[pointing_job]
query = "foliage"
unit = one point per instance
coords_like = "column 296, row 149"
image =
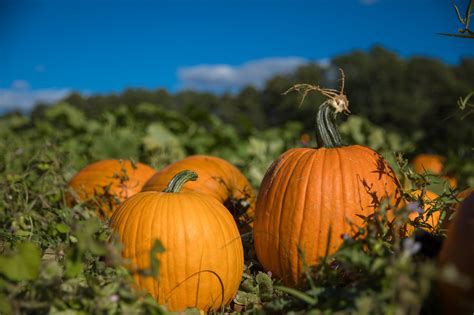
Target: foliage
column 59, row 260
column 403, row 95
column 55, row 259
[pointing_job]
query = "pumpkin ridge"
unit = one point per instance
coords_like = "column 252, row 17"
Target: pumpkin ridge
column 370, row 205
column 321, row 202
column 155, row 214
column 222, row 217
column 302, row 222
column 221, row 180
column 183, row 273
column 290, row 219
column 358, row 170
column 202, row 257
column 150, row 226
column 340, row 183
column 373, row 186
column 132, row 250
column 138, row 225
column 230, row 241
column 272, row 203
column 179, row 229
column 274, row 222
column 129, row 218
column 212, row 233
column 186, row 275
column 231, row 191
column 275, row 167
column 279, row 224
column 263, row 197
column 345, row 200
column 357, row 182
column 168, row 242
column 207, row 183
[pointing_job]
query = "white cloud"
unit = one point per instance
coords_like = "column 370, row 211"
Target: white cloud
column 20, row 96
column 227, row 77
column 324, row 63
column 20, row 85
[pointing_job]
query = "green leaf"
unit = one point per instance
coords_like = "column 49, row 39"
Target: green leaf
column 62, row 228
column 22, row 265
column 245, row 298
column 5, row 307
column 163, row 143
column 116, row 143
column 154, row 262
column 248, row 285
column 73, row 268
column 265, row 286
column 51, row 270
column 65, row 113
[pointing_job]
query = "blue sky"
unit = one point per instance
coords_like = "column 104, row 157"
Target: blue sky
column 48, row 48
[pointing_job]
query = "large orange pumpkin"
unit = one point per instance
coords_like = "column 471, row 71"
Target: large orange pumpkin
column 108, row 182
column 202, row 264
column 458, row 251
column 434, row 164
column 217, row 178
column 309, row 195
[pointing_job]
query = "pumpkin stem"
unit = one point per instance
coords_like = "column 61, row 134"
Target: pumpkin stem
column 177, row 182
column 327, row 133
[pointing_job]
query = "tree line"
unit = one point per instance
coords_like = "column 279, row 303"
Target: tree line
column 415, row 97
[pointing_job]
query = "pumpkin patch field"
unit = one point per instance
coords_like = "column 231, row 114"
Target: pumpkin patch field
column 138, row 207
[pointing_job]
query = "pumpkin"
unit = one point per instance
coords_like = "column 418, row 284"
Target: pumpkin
column 217, row 178
column 107, row 183
column 310, row 196
column 202, row 264
column 458, row 251
column 432, row 219
column 434, row 164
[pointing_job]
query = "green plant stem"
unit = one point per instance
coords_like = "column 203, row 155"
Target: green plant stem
column 297, row 294
column 327, row 133
column 177, row 182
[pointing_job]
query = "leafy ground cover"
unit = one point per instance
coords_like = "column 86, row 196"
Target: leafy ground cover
column 57, row 259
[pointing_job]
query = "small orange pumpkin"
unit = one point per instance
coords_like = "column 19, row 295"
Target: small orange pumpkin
column 202, row 264
column 434, row 164
column 217, row 178
column 428, row 197
column 309, row 195
column 458, row 251
column 108, row 182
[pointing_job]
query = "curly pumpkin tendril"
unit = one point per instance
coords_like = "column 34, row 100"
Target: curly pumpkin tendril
column 177, row 182
column 327, row 133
